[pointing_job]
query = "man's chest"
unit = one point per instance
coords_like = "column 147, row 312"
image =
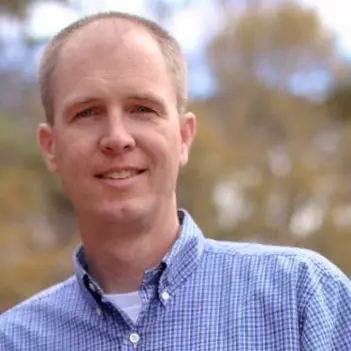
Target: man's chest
column 250, row 325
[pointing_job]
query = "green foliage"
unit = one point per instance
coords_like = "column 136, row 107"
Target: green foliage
column 272, row 45
column 338, row 102
column 286, row 161
column 18, row 8
column 33, row 255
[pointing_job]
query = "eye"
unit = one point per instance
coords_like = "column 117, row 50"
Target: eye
column 142, row 109
column 86, row 113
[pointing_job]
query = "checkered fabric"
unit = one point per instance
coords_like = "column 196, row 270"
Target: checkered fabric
column 205, row 295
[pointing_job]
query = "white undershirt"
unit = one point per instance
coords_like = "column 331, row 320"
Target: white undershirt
column 130, row 303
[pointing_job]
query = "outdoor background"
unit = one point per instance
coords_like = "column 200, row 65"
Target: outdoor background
column 270, row 82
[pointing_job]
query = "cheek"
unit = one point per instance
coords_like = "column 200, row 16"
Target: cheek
column 164, row 146
column 73, row 155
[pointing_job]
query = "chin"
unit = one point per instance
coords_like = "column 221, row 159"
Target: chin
column 124, row 211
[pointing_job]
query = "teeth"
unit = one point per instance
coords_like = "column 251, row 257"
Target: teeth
column 120, row 175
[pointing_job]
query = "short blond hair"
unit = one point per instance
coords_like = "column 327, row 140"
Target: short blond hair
column 169, row 47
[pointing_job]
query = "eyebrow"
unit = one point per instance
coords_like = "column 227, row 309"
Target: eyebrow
column 151, row 98
column 70, row 104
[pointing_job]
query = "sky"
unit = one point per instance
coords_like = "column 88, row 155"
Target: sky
column 42, row 22
column 335, row 14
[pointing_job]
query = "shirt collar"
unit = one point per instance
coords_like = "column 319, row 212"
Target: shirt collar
column 176, row 266
column 185, row 254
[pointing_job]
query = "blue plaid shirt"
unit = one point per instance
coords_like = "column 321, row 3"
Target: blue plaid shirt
column 206, row 295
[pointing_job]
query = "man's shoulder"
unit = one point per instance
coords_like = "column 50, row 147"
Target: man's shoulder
column 265, row 258
column 40, row 303
column 260, row 251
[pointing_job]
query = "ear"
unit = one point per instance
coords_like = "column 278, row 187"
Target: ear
column 187, row 132
column 47, row 146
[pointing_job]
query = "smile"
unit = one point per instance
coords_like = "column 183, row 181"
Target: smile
column 123, row 174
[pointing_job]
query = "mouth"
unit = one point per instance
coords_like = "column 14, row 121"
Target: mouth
column 121, row 175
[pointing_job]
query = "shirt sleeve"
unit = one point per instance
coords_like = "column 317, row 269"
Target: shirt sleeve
column 327, row 316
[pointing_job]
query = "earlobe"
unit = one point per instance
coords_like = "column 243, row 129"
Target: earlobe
column 47, row 146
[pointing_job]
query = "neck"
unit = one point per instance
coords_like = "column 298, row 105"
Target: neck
column 118, row 255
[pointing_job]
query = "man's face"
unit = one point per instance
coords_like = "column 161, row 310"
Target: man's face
column 117, row 142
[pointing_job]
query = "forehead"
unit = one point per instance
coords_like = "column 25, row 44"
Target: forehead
column 107, row 34
column 111, row 52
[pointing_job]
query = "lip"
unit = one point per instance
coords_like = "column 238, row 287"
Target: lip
column 119, row 169
column 121, row 184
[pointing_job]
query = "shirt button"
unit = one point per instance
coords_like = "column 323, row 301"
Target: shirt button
column 92, row 287
column 165, row 296
column 99, row 311
column 134, row 338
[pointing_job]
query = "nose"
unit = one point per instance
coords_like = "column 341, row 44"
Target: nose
column 116, row 137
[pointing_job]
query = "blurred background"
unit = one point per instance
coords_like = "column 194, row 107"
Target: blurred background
column 271, row 84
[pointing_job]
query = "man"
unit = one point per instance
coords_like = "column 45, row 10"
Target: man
column 117, row 132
